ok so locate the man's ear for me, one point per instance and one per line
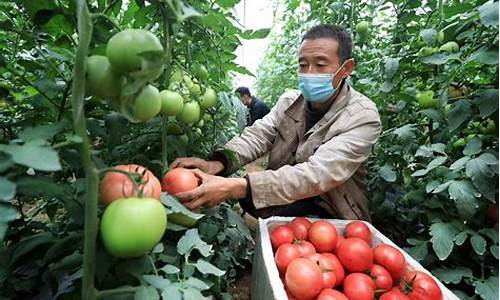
(348, 67)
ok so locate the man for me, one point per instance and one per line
(256, 108)
(317, 141)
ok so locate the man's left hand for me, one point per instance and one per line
(212, 191)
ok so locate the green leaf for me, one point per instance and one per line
(460, 238)
(29, 243)
(191, 240)
(452, 275)
(429, 36)
(386, 87)
(406, 132)
(207, 268)
(7, 214)
(387, 173)
(420, 249)
(176, 207)
(464, 194)
(193, 294)
(42, 132)
(172, 292)
(430, 166)
(156, 281)
(473, 147)
(196, 283)
(227, 3)
(440, 58)
(391, 66)
(484, 55)
(257, 34)
(488, 13)
(429, 150)
(442, 239)
(7, 189)
(487, 102)
(487, 289)
(494, 250)
(459, 163)
(459, 113)
(170, 269)
(146, 292)
(478, 244)
(431, 185)
(33, 155)
(491, 233)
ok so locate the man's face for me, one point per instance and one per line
(319, 56)
(245, 99)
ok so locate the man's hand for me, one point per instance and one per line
(210, 167)
(212, 191)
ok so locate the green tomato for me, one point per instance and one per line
(173, 128)
(194, 89)
(184, 139)
(209, 99)
(102, 81)
(449, 47)
(131, 227)
(147, 104)
(125, 47)
(190, 113)
(200, 123)
(200, 71)
(426, 51)
(488, 127)
(187, 81)
(171, 102)
(182, 219)
(176, 76)
(426, 99)
(459, 143)
(440, 36)
(362, 28)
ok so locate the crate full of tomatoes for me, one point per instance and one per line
(303, 259)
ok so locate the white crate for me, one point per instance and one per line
(266, 283)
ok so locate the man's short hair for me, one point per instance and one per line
(338, 33)
(242, 90)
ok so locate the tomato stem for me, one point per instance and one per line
(168, 69)
(80, 127)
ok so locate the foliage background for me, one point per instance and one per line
(434, 173)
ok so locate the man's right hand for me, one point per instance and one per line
(211, 166)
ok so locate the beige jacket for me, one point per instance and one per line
(326, 160)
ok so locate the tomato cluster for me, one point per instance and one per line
(316, 262)
(134, 58)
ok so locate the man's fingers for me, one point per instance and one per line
(198, 202)
(176, 162)
(189, 195)
(199, 173)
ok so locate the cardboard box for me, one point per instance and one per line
(266, 284)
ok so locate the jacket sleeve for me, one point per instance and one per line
(255, 140)
(334, 162)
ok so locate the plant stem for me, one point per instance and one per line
(168, 68)
(79, 124)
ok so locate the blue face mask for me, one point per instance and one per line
(317, 87)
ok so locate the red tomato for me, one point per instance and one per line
(390, 258)
(289, 295)
(284, 255)
(382, 277)
(394, 294)
(305, 247)
(420, 286)
(323, 236)
(115, 185)
(340, 239)
(333, 272)
(331, 294)
(300, 226)
(303, 279)
(355, 255)
(281, 235)
(358, 286)
(360, 230)
(178, 180)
